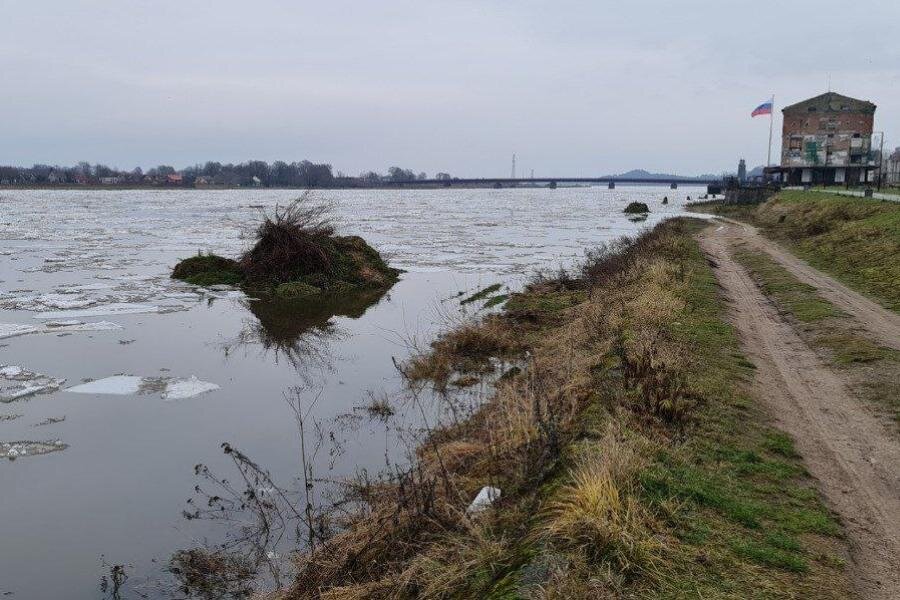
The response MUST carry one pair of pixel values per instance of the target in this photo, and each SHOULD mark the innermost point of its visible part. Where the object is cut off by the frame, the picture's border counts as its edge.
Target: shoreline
(629, 455)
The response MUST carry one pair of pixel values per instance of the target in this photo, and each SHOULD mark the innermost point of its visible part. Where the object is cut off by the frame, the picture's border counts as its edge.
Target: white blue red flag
(763, 109)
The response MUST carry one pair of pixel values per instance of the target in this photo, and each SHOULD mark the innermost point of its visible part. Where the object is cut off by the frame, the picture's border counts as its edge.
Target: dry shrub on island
(291, 241)
(296, 254)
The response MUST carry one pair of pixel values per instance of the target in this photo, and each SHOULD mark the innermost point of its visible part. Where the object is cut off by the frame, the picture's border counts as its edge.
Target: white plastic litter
(486, 496)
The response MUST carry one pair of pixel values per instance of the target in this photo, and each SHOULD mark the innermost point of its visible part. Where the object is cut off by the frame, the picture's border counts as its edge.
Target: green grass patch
(800, 299)
(482, 293)
(545, 303)
(496, 300)
(745, 496)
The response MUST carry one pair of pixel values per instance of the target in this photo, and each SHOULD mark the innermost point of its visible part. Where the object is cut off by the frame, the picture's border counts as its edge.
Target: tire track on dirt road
(880, 323)
(845, 447)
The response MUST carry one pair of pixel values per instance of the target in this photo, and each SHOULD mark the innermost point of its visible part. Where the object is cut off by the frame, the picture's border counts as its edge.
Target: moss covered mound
(635, 208)
(296, 256)
(208, 269)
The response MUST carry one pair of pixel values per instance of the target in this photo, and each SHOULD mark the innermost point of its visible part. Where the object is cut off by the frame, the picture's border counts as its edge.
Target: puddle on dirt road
(119, 386)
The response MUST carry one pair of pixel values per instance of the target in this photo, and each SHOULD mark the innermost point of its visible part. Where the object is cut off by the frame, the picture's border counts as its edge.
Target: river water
(100, 476)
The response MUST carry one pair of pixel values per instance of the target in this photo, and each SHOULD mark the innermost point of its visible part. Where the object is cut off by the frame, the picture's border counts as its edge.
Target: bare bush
(291, 242)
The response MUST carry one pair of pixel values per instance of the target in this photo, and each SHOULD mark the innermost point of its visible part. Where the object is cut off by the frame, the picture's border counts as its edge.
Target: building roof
(831, 102)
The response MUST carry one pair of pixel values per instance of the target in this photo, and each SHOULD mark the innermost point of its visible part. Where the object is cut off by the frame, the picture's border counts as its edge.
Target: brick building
(827, 140)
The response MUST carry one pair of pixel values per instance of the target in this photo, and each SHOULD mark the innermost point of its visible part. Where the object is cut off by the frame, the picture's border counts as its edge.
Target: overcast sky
(584, 88)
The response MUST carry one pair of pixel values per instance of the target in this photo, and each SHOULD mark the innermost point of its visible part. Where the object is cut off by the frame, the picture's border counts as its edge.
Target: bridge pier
(552, 185)
(674, 186)
(612, 185)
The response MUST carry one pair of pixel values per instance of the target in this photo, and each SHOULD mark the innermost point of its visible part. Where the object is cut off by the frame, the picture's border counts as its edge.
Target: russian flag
(763, 109)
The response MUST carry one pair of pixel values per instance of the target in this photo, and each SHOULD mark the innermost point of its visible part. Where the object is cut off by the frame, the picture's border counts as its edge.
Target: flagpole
(771, 120)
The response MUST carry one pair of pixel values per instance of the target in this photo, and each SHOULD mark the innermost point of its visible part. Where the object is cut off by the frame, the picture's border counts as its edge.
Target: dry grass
(464, 350)
(411, 538)
(290, 242)
(599, 516)
(569, 439)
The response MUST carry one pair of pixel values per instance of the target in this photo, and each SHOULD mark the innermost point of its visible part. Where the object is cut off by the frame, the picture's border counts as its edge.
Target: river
(101, 476)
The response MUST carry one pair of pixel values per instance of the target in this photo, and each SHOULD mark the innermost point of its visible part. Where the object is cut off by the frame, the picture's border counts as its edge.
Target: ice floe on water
(119, 385)
(179, 389)
(126, 385)
(14, 450)
(8, 330)
(17, 383)
(64, 301)
(116, 308)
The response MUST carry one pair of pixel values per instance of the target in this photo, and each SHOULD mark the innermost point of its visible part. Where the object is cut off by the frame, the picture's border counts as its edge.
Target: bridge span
(673, 182)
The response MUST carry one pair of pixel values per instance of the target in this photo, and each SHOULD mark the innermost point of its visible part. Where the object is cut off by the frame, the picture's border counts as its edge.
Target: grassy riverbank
(631, 460)
(856, 240)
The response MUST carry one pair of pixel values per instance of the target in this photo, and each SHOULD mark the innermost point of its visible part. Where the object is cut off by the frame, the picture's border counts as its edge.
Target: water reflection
(300, 331)
(262, 519)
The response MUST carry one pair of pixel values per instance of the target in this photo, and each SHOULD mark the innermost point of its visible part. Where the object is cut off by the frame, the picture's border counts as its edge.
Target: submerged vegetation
(855, 239)
(636, 208)
(630, 458)
(296, 255)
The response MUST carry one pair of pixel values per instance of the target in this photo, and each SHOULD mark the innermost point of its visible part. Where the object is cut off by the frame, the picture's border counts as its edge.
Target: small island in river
(296, 255)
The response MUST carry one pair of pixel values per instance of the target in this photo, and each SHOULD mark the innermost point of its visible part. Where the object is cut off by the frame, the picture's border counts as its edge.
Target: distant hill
(755, 172)
(642, 174)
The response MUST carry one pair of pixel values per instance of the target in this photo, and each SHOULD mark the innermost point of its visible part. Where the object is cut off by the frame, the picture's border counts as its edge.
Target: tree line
(254, 173)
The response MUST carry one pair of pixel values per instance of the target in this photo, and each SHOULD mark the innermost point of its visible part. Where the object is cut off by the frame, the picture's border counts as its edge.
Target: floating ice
(124, 385)
(14, 450)
(8, 330)
(119, 385)
(117, 308)
(69, 323)
(179, 389)
(64, 301)
(17, 382)
(57, 326)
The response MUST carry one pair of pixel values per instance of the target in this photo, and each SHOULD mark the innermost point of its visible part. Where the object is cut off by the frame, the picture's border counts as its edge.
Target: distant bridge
(673, 182)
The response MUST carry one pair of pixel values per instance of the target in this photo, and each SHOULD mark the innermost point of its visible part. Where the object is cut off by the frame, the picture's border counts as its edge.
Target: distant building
(742, 171)
(892, 168)
(110, 180)
(828, 140)
(175, 179)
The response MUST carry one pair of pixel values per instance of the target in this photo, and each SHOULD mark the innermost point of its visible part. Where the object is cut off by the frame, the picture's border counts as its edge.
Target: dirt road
(846, 448)
(881, 324)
